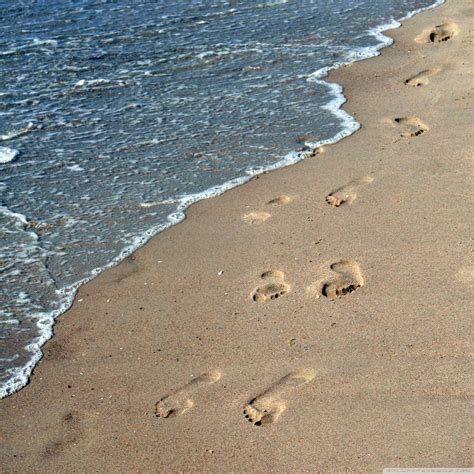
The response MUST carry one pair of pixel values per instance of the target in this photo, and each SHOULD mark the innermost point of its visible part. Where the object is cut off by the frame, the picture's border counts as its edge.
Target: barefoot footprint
(121, 272)
(179, 401)
(349, 279)
(347, 194)
(438, 34)
(412, 126)
(308, 146)
(422, 78)
(280, 200)
(69, 432)
(256, 217)
(312, 152)
(268, 406)
(273, 286)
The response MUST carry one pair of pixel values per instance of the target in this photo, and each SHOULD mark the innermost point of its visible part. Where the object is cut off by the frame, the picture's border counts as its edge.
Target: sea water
(116, 115)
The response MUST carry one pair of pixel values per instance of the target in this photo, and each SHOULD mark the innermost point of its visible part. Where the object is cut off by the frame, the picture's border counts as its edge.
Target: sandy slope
(317, 318)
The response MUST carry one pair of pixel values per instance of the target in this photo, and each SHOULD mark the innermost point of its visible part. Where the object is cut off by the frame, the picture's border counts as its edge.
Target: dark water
(121, 113)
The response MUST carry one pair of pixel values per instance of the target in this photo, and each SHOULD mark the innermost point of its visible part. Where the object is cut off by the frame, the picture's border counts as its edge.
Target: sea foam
(8, 154)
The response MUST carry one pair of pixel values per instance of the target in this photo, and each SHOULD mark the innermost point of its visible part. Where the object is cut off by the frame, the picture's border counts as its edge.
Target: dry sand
(316, 319)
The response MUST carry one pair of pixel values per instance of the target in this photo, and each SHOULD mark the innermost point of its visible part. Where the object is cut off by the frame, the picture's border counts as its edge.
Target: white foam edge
(15, 215)
(8, 155)
(45, 321)
(17, 133)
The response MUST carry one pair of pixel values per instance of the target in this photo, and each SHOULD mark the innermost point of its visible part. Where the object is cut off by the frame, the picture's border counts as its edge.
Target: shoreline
(350, 126)
(237, 301)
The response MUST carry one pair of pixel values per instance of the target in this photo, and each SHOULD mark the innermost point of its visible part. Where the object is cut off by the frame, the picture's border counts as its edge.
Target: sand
(317, 318)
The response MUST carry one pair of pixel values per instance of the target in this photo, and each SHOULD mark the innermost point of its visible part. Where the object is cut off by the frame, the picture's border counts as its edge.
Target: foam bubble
(45, 42)
(7, 155)
(93, 83)
(75, 168)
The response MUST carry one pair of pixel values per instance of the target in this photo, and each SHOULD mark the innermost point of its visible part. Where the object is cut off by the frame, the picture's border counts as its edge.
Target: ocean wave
(18, 133)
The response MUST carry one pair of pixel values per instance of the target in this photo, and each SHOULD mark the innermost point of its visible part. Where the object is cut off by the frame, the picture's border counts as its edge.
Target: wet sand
(317, 318)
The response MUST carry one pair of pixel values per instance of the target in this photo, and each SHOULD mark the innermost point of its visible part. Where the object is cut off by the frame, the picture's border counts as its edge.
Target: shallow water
(114, 116)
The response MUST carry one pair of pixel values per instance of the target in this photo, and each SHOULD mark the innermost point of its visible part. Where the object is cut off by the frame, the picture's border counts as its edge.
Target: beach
(316, 318)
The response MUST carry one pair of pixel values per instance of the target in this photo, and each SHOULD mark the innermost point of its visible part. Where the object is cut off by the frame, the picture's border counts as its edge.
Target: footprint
(313, 151)
(280, 200)
(349, 279)
(69, 433)
(127, 267)
(422, 78)
(179, 401)
(347, 194)
(412, 126)
(268, 406)
(438, 34)
(273, 287)
(256, 217)
(466, 276)
(54, 350)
